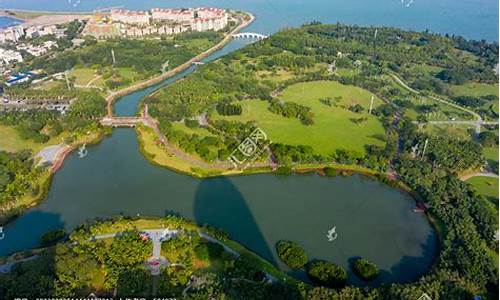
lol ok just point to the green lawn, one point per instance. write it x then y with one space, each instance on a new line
486 186
477 90
202 132
83 75
474 89
332 127
11 142
444 112
462 132
129 73
491 155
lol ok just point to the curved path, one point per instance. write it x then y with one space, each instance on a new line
478 174
479 120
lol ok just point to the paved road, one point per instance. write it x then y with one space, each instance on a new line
49 154
478 174
6 268
477 123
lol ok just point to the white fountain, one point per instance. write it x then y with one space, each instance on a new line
332 235
82 151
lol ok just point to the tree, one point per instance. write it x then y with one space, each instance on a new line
330 172
327 274
488 139
365 269
291 254
52 237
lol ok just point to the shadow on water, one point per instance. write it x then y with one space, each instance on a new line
404 270
33 225
220 204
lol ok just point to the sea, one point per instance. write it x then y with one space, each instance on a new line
474 19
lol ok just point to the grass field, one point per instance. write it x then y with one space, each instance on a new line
83 75
486 186
443 112
11 142
477 90
332 127
462 132
202 132
491 155
474 89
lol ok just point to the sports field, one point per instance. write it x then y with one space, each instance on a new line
332 129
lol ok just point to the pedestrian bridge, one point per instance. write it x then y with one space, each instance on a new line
250 35
121 121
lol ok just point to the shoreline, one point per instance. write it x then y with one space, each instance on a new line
113 96
12 213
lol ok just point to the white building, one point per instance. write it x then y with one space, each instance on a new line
168 14
37 31
38 50
10 56
130 17
13 34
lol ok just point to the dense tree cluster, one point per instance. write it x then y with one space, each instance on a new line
326 274
18 175
365 269
39 125
291 254
228 109
292 110
144 56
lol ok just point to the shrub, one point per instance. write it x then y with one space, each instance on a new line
330 172
206 251
191 123
488 139
284 170
291 254
52 237
327 274
365 269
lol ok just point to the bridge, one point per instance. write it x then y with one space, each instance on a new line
121 121
144 119
250 35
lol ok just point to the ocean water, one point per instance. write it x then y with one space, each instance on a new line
477 19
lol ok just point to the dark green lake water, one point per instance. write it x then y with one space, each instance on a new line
372 219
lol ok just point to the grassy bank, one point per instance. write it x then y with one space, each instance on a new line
43 182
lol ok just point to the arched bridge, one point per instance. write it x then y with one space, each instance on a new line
250 35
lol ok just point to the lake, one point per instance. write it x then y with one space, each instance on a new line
372 220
